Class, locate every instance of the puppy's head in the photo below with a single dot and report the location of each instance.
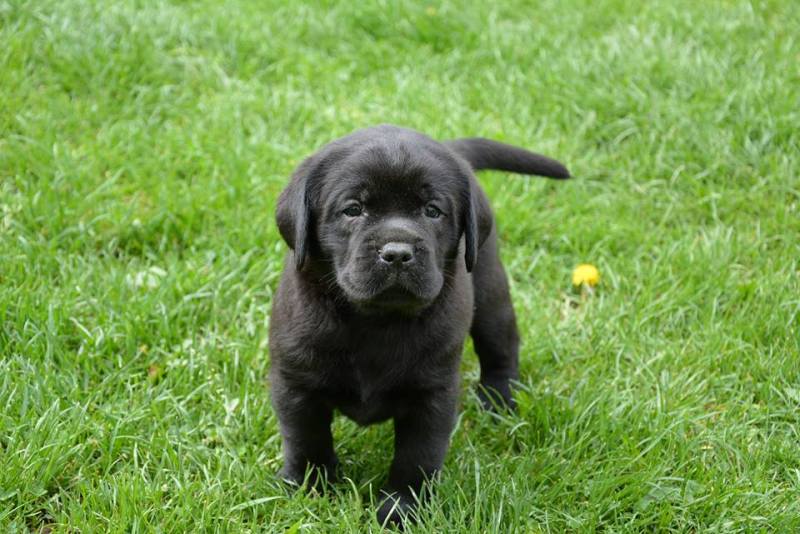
(380, 214)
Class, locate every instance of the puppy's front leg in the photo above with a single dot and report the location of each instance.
(305, 425)
(421, 440)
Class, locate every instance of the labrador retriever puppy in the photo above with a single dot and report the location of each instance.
(393, 262)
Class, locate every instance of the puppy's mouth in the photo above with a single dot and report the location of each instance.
(397, 296)
(394, 293)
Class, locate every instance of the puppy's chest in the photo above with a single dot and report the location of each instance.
(373, 371)
(363, 374)
(360, 393)
(371, 385)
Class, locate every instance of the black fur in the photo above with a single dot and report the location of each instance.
(380, 292)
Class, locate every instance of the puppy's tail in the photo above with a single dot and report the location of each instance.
(487, 154)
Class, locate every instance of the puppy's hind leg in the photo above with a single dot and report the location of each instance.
(494, 328)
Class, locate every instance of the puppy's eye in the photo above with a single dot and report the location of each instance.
(354, 210)
(432, 211)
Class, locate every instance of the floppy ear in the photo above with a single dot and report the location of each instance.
(470, 236)
(477, 223)
(294, 213)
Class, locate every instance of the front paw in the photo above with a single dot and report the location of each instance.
(316, 476)
(395, 509)
(495, 394)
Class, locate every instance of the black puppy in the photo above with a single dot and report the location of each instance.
(394, 261)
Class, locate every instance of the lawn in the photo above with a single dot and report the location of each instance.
(142, 148)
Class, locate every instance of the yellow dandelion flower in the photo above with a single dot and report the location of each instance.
(585, 273)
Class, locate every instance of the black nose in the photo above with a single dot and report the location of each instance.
(397, 253)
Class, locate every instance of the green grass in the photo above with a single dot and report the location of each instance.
(142, 148)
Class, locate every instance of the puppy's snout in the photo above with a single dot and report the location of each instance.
(396, 253)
